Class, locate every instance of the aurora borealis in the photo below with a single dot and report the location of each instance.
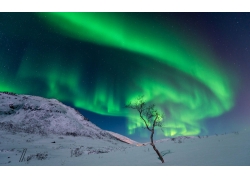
(98, 62)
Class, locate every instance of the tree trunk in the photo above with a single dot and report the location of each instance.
(156, 150)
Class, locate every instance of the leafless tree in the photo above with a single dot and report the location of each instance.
(150, 116)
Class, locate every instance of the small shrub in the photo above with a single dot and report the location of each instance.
(10, 93)
(76, 152)
(39, 156)
(71, 134)
(172, 139)
(85, 118)
(29, 140)
(11, 106)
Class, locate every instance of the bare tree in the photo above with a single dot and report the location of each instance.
(150, 116)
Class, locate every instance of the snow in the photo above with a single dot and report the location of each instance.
(91, 146)
(125, 139)
(32, 114)
(222, 150)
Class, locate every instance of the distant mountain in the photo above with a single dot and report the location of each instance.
(37, 115)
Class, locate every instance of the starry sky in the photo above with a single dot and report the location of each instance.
(193, 66)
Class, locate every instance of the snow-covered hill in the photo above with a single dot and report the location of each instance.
(37, 115)
(32, 123)
(35, 131)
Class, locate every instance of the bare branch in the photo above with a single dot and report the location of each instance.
(150, 116)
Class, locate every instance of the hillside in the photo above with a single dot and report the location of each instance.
(35, 131)
(37, 115)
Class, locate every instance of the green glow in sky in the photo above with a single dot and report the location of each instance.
(182, 78)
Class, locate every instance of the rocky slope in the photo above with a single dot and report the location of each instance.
(37, 115)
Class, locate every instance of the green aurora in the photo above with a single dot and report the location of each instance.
(178, 74)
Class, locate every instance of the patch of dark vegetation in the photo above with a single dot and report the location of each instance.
(179, 139)
(24, 127)
(176, 140)
(92, 135)
(206, 136)
(25, 97)
(31, 108)
(77, 152)
(42, 127)
(39, 156)
(9, 93)
(7, 112)
(98, 151)
(29, 140)
(91, 150)
(85, 118)
(71, 134)
(11, 106)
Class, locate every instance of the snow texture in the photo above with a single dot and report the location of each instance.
(35, 131)
(37, 115)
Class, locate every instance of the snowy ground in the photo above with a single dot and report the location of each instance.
(232, 149)
(36, 131)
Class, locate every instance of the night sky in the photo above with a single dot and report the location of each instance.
(193, 66)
